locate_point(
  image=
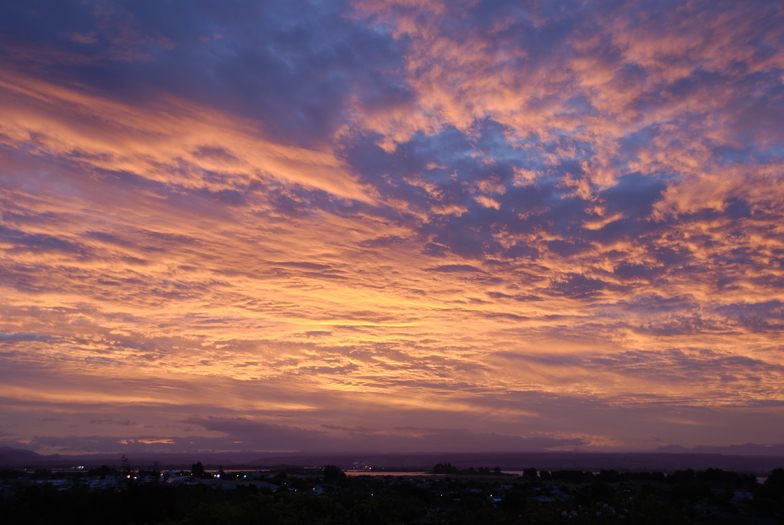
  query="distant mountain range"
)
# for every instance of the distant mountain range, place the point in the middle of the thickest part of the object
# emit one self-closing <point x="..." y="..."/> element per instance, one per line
<point x="748" y="449"/>
<point x="516" y="461"/>
<point x="759" y="459"/>
<point x="14" y="457"/>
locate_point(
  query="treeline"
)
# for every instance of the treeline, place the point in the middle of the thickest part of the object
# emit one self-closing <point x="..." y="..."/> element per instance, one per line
<point x="716" y="478"/>
<point x="676" y="499"/>
<point x="447" y="468"/>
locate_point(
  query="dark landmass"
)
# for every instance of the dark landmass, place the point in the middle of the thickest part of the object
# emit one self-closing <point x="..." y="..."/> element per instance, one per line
<point x="658" y="461"/>
<point x="747" y="449"/>
<point x="326" y="496"/>
<point x="14" y="457"/>
<point x="595" y="462"/>
<point x="661" y="461"/>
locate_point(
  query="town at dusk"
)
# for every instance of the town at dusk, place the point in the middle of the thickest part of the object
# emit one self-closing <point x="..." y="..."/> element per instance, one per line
<point x="391" y="227"/>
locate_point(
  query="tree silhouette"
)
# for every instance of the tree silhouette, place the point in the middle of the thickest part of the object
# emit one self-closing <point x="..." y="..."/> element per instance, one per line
<point x="444" y="468"/>
<point x="197" y="469"/>
<point x="333" y="473"/>
<point x="156" y="469"/>
<point x="126" y="467"/>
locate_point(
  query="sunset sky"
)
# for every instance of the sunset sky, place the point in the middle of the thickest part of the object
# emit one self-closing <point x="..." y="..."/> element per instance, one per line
<point x="391" y="225"/>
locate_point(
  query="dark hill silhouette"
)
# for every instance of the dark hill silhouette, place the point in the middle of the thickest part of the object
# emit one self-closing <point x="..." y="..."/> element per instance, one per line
<point x="11" y="457"/>
<point x="739" y="458"/>
<point x="747" y="449"/>
<point x="16" y="457"/>
<point x="588" y="461"/>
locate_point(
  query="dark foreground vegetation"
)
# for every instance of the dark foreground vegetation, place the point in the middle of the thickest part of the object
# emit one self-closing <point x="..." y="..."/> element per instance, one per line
<point x="105" y="496"/>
